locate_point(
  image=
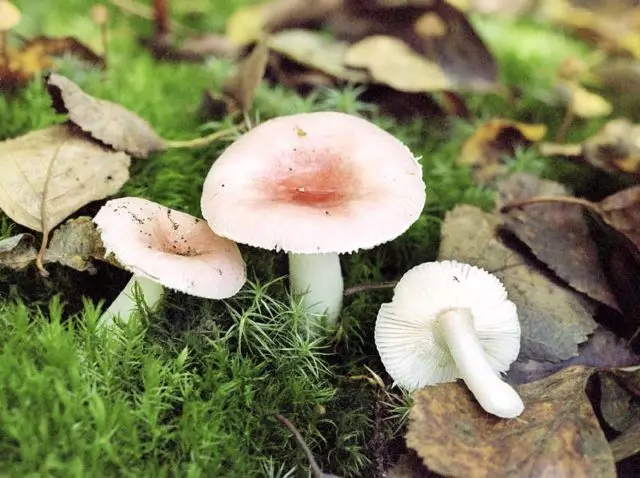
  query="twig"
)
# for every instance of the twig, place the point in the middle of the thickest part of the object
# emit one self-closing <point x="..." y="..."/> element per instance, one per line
<point x="161" y="17"/>
<point x="366" y="287"/>
<point x="566" y="123"/>
<point x="205" y="140"/>
<point x="552" y="199"/>
<point x="313" y="464"/>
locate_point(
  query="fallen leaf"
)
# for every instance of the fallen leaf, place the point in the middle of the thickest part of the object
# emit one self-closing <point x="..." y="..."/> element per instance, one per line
<point x="242" y="86"/>
<point x="611" y="25"/>
<point x="615" y="148"/>
<point x="248" y="24"/>
<point x="582" y="102"/>
<point x="317" y="51"/>
<point x="435" y="30"/>
<point x="105" y="121"/>
<point x="492" y="141"/>
<point x="553" y="318"/>
<point x="74" y="244"/>
<point x="36" y="56"/>
<point x="9" y="15"/>
<point x="622" y="212"/>
<point x="557" y="234"/>
<point x="615" y="222"/>
<point x="17" y="252"/>
<point x="627" y="444"/>
<point x="192" y="49"/>
<point x="50" y="173"/>
<point x="557" y="434"/>
<point x="392" y="62"/>
<point x="618" y="408"/>
<point x="604" y="349"/>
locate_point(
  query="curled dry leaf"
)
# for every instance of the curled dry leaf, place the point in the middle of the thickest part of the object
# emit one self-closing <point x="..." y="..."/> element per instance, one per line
<point x="553" y="318"/>
<point x="612" y="25"/>
<point x="241" y="87"/>
<point x="615" y="148"/>
<point x="248" y="24"/>
<point x="433" y="29"/>
<point x="392" y="62"/>
<point x="50" y="173"/>
<point x="492" y="141"/>
<point x="627" y="444"/>
<point x="317" y="51"/>
<point x="622" y="212"/>
<point x="17" y="252"/>
<point x="557" y="434"/>
<point x="604" y="349"/>
<point x="557" y="234"/>
<point x="619" y="409"/>
<point x="37" y="55"/>
<point x="74" y="244"/>
<point x="105" y="121"/>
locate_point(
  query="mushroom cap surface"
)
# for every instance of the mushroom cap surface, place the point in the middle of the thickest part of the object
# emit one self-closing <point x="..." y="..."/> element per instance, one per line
<point x="173" y="248"/>
<point x="406" y="331"/>
<point x="9" y="15"/>
<point x="314" y="183"/>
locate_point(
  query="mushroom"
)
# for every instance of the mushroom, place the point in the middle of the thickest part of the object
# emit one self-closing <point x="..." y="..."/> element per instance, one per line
<point x="166" y="248"/>
<point x="314" y="185"/>
<point x="449" y="320"/>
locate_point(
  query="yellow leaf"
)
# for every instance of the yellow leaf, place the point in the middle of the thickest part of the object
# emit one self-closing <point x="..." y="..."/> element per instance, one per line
<point x="246" y="24"/>
<point x="394" y="63"/>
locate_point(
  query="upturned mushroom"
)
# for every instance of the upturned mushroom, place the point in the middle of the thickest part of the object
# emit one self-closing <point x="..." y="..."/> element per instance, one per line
<point x="449" y="320"/>
<point x="314" y="185"/>
<point x="165" y="248"/>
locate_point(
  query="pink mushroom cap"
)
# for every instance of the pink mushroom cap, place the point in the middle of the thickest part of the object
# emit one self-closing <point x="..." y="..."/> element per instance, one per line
<point x="314" y="183"/>
<point x="175" y="249"/>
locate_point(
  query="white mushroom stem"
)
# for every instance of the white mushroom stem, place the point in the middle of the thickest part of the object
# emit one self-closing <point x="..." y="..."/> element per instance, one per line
<point x="319" y="278"/>
<point x="125" y="304"/>
<point x="494" y="395"/>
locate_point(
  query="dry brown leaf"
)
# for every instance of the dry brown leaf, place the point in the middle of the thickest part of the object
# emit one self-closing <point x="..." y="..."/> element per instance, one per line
<point x="622" y="212"/>
<point x="105" y="121"/>
<point x="17" y="252"/>
<point x="557" y="434"/>
<point x="36" y="56"/>
<point x="553" y="318"/>
<point x="50" y="173"/>
<point x="242" y="86"/>
<point x="492" y="141"/>
<point x="627" y="444"/>
<point x="317" y="51"/>
<point x="557" y="234"/>
<point x="248" y="24"/>
<point x="74" y="244"/>
<point x="433" y="29"/>
<point x="392" y="62"/>
<point x="612" y="25"/>
<point x="604" y="349"/>
<point x="618" y="408"/>
<point x="615" y="148"/>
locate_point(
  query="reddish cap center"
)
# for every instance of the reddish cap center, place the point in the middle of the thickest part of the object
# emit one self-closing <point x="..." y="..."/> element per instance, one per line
<point x="312" y="177"/>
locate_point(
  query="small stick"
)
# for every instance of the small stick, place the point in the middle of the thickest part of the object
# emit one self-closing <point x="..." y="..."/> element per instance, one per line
<point x="161" y="17"/>
<point x="566" y="123"/>
<point x="552" y="199"/>
<point x="205" y="140"/>
<point x="100" y="16"/>
<point x="313" y="464"/>
<point x="366" y="287"/>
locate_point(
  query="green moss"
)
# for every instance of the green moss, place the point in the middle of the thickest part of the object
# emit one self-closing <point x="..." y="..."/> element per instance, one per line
<point x="191" y="390"/>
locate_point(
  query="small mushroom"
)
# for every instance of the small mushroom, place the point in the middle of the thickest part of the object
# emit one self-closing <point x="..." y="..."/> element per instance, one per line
<point x="449" y="320"/>
<point x="166" y="248"/>
<point x="314" y="185"/>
